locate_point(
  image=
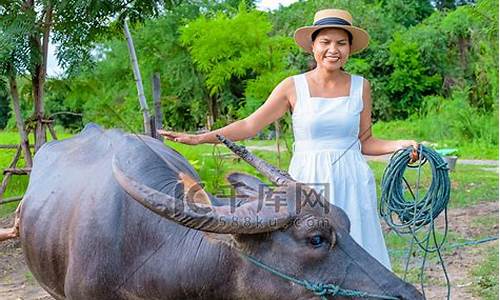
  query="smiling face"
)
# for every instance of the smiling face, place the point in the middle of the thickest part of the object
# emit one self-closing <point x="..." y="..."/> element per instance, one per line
<point x="331" y="48"/>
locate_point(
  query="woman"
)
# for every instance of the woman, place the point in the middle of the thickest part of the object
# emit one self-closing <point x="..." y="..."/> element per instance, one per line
<point x="331" y="115"/>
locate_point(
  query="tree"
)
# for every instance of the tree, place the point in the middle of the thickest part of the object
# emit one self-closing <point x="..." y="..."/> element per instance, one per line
<point x="408" y="12"/>
<point x="240" y="54"/>
<point x="158" y="51"/>
<point x="26" y="27"/>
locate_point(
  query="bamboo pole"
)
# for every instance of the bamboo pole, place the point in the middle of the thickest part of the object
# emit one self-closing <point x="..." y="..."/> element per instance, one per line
<point x="138" y="79"/>
<point x="157" y="103"/>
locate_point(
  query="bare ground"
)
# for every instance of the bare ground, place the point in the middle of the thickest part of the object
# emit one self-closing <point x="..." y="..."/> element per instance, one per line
<point x="467" y="223"/>
<point x="16" y="282"/>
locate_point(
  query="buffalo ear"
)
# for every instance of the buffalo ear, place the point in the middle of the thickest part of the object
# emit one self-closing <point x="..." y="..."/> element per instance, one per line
<point x="193" y="191"/>
<point x="247" y="185"/>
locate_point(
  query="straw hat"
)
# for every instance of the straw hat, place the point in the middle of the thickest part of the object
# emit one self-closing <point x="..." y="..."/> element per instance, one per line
<point x="332" y="18"/>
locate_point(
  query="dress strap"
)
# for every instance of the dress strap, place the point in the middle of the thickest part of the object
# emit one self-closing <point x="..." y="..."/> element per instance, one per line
<point x="301" y="91"/>
<point x="356" y="94"/>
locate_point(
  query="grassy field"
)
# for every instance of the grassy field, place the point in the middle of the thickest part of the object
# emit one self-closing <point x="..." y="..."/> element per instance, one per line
<point x="471" y="184"/>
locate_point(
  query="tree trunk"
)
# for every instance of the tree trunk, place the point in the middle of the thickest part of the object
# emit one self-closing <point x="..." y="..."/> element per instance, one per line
<point x="210" y="117"/>
<point x="19" y="118"/>
<point x="37" y="83"/>
<point x="138" y="80"/>
<point x="215" y="109"/>
<point x="39" y="51"/>
<point x="212" y="111"/>
<point x="463" y="47"/>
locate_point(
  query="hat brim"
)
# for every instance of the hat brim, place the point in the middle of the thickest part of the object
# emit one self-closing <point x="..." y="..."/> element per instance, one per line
<point x="360" y="38"/>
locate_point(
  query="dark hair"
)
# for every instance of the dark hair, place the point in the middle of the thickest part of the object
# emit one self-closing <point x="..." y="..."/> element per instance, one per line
<point x="314" y="35"/>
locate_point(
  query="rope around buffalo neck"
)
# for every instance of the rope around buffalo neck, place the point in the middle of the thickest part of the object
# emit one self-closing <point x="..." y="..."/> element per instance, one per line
<point x="321" y="290"/>
<point x="413" y="215"/>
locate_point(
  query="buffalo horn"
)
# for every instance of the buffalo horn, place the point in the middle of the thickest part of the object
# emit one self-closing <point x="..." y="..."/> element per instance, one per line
<point x="249" y="218"/>
<point x="275" y="175"/>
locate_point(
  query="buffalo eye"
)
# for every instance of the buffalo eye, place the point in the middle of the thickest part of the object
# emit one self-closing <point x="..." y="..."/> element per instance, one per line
<point x="317" y="241"/>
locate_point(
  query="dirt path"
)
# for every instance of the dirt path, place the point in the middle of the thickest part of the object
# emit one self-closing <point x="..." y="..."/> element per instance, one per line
<point x="16" y="282"/>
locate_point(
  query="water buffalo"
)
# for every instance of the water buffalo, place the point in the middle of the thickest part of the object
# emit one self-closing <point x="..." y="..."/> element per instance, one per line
<point x="110" y="215"/>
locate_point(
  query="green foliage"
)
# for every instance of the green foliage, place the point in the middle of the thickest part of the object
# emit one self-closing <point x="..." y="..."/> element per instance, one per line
<point x="409" y="12"/>
<point x="113" y="103"/>
<point x="78" y="25"/>
<point x="484" y="62"/>
<point x="456" y="118"/>
<point x="221" y="53"/>
<point x="64" y="113"/>
<point x="246" y="53"/>
<point x="409" y="81"/>
<point x="75" y="25"/>
<point x="460" y="47"/>
<point x="258" y="90"/>
<point x="449" y="122"/>
<point x="26" y="102"/>
<point x="185" y="99"/>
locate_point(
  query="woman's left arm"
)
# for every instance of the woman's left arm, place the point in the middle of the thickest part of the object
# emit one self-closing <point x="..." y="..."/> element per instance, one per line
<point x="369" y="144"/>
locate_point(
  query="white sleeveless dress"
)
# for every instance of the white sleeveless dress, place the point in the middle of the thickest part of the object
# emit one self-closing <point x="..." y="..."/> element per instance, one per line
<point x="327" y="156"/>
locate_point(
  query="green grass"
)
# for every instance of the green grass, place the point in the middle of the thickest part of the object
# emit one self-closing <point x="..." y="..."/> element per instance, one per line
<point x="485" y="276"/>
<point x="29" y="277"/>
<point x="423" y="131"/>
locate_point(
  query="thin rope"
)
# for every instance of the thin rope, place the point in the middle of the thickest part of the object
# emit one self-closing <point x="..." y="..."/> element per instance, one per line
<point x="408" y="216"/>
<point x="323" y="290"/>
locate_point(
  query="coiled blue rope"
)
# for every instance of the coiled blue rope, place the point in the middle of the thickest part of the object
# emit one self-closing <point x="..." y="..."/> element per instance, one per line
<point x="407" y="216"/>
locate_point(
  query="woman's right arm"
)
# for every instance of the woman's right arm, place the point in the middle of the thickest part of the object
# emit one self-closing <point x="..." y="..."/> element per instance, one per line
<point x="276" y="105"/>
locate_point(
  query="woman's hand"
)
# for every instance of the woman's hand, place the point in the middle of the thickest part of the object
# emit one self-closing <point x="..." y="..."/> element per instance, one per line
<point x="402" y="144"/>
<point x="184" y="138"/>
